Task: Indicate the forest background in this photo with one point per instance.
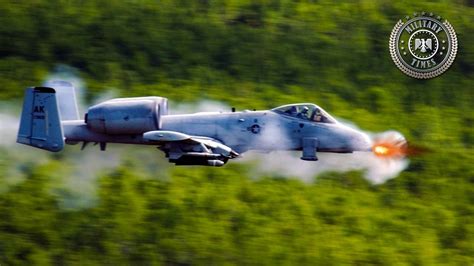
(134, 208)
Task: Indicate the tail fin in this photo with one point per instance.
(40, 124)
(66, 99)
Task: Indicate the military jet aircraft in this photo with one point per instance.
(50, 119)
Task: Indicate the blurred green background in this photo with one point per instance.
(248, 54)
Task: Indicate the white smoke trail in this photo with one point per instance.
(376, 170)
(69, 74)
(14, 157)
(85, 168)
(104, 96)
(8, 128)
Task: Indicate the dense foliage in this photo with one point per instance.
(250, 54)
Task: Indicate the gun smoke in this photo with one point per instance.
(285, 163)
(288, 163)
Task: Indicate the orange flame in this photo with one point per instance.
(390, 146)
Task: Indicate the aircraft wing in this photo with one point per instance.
(183, 149)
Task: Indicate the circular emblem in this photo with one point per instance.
(423, 47)
(255, 129)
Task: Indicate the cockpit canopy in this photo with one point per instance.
(305, 111)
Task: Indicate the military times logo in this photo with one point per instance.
(424, 46)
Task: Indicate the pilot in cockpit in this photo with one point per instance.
(292, 111)
(318, 116)
(304, 113)
(309, 112)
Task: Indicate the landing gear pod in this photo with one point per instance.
(310, 145)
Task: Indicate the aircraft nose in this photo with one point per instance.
(359, 141)
(362, 143)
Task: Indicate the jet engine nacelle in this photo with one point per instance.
(127, 115)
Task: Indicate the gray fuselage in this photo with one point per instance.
(242, 131)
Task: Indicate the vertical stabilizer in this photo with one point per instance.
(40, 124)
(66, 99)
